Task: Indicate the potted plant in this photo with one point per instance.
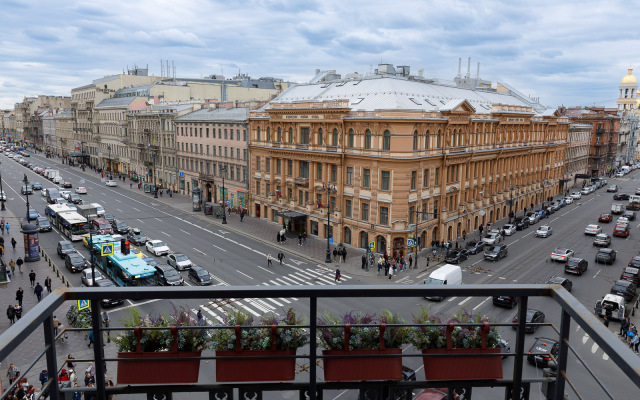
(457, 337)
(249, 351)
(158, 350)
(375, 344)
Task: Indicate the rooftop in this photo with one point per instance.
(237, 114)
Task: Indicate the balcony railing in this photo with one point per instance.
(622, 362)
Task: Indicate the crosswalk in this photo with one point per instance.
(215, 310)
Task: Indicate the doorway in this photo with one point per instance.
(398, 247)
(257, 210)
(381, 244)
(364, 240)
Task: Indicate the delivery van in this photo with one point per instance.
(448, 274)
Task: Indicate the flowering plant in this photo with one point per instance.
(361, 337)
(466, 337)
(257, 335)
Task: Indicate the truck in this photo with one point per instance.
(52, 174)
(88, 211)
(617, 208)
(615, 307)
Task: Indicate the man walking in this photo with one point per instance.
(56, 325)
(2, 223)
(32, 278)
(11, 315)
(624, 326)
(19, 295)
(105, 324)
(47, 284)
(13, 240)
(280, 257)
(338, 275)
(364, 261)
(12, 264)
(269, 260)
(335, 254)
(38, 291)
(410, 261)
(344, 255)
(20, 262)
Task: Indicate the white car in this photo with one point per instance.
(509, 229)
(43, 192)
(622, 221)
(81, 190)
(561, 254)
(111, 183)
(492, 238)
(88, 278)
(99, 208)
(65, 194)
(592, 230)
(568, 200)
(57, 180)
(157, 248)
(544, 231)
(179, 261)
(619, 174)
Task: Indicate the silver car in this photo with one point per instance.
(602, 239)
(179, 261)
(492, 238)
(544, 231)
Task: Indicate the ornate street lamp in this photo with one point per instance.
(331, 189)
(2, 191)
(223, 172)
(26, 192)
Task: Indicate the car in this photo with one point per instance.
(167, 276)
(136, 236)
(505, 301)
(549, 210)
(108, 284)
(509, 229)
(542, 214)
(559, 280)
(606, 256)
(602, 239)
(44, 192)
(475, 246)
(634, 206)
(43, 224)
(67, 185)
(32, 214)
(75, 262)
(57, 180)
(81, 190)
(630, 215)
(619, 174)
(544, 231)
(576, 265)
(200, 276)
(101, 225)
(455, 256)
(99, 209)
(64, 194)
(89, 278)
(585, 190)
(533, 217)
(179, 261)
(26, 190)
(74, 198)
(521, 223)
(157, 247)
(621, 231)
(568, 200)
(561, 254)
(576, 195)
(36, 186)
(120, 227)
(492, 238)
(111, 183)
(605, 217)
(109, 217)
(533, 317)
(495, 253)
(562, 202)
(637, 191)
(626, 289)
(621, 196)
(622, 221)
(612, 188)
(543, 351)
(592, 229)
(555, 206)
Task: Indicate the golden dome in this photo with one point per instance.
(629, 78)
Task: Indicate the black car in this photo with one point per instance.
(606, 256)
(475, 246)
(521, 223)
(75, 262)
(120, 227)
(630, 215)
(43, 224)
(548, 348)
(167, 276)
(533, 317)
(576, 265)
(136, 236)
(456, 256)
(199, 275)
(74, 198)
(109, 217)
(505, 301)
(67, 185)
(621, 196)
(495, 253)
(36, 186)
(635, 206)
(109, 284)
(65, 247)
(625, 288)
(564, 282)
(26, 190)
(631, 274)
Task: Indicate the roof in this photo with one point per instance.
(237, 114)
(116, 102)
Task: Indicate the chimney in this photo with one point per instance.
(468, 67)
(478, 72)
(459, 66)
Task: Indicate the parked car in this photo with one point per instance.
(602, 239)
(604, 218)
(455, 256)
(475, 246)
(89, 278)
(179, 261)
(606, 256)
(75, 262)
(561, 254)
(542, 214)
(200, 276)
(568, 200)
(621, 196)
(585, 190)
(495, 253)
(136, 236)
(157, 248)
(533, 317)
(509, 229)
(626, 289)
(592, 230)
(111, 183)
(559, 280)
(533, 217)
(621, 230)
(576, 265)
(544, 231)
(542, 352)
(492, 238)
(505, 301)
(167, 276)
(43, 224)
(576, 195)
(521, 223)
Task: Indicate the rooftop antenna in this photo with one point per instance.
(161, 68)
(459, 66)
(468, 67)
(478, 73)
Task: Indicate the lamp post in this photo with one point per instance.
(415, 239)
(1, 191)
(223, 172)
(510, 203)
(155, 188)
(93, 264)
(109, 159)
(26, 192)
(331, 189)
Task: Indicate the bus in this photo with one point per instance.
(52, 210)
(72, 225)
(124, 270)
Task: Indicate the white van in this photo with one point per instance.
(625, 169)
(448, 274)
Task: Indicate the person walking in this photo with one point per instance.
(200, 317)
(38, 291)
(280, 257)
(19, 295)
(13, 241)
(7, 227)
(20, 262)
(269, 260)
(17, 310)
(410, 261)
(11, 315)
(2, 224)
(379, 266)
(464, 234)
(56, 325)
(241, 215)
(338, 275)
(12, 264)
(635, 342)
(364, 262)
(12, 372)
(624, 327)
(90, 337)
(32, 278)
(304, 239)
(47, 284)
(105, 324)
(344, 255)
(335, 254)
(2, 228)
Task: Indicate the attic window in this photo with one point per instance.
(341, 84)
(428, 101)
(325, 86)
(415, 101)
(443, 102)
(356, 82)
(358, 100)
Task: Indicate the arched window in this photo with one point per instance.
(367, 139)
(427, 137)
(415, 140)
(347, 236)
(320, 138)
(279, 134)
(258, 134)
(268, 134)
(386, 141)
(290, 135)
(334, 139)
(351, 138)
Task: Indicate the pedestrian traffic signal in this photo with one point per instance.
(125, 246)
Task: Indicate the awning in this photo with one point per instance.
(292, 214)
(78, 154)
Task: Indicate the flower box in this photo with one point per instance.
(470, 367)
(152, 370)
(353, 368)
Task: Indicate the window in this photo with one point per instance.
(238, 138)
(268, 134)
(332, 202)
(426, 140)
(438, 139)
(304, 135)
(425, 178)
(386, 141)
(412, 213)
(303, 167)
(384, 215)
(244, 154)
(436, 179)
(413, 179)
(278, 166)
(319, 171)
(258, 188)
(367, 139)
(268, 164)
(225, 133)
(279, 134)
(289, 167)
(300, 197)
(268, 188)
(347, 208)
(334, 173)
(349, 175)
(415, 140)
(226, 152)
(384, 184)
(258, 163)
(290, 135)
(220, 151)
(365, 212)
(200, 132)
(289, 193)
(201, 152)
(191, 147)
(435, 209)
(238, 154)
(334, 138)
(351, 138)
(244, 135)
(366, 178)
(190, 131)
(207, 149)
(320, 138)
(207, 132)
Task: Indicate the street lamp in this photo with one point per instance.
(155, 187)
(223, 172)
(331, 189)
(1, 191)
(109, 159)
(415, 239)
(26, 192)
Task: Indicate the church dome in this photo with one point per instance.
(629, 78)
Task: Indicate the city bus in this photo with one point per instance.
(52, 210)
(72, 225)
(124, 270)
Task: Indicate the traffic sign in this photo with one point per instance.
(372, 245)
(83, 304)
(410, 242)
(106, 249)
(181, 173)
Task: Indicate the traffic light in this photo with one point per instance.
(125, 246)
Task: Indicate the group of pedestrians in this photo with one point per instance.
(629, 333)
(340, 254)
(23, 389)
(392, 265)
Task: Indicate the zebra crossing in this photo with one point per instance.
(215, 311)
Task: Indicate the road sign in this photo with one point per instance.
(83, 304)
(330, 240)
(181, 173)
(372, 245)
(106, 249)
(410, 242)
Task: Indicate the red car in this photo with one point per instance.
(604, 218)
(621, 231)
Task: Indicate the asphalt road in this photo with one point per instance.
(235, 259)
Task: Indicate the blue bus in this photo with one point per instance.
(124, 270)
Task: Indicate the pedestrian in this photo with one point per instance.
(464, 235)
(200, 317)
(32, 278)
(379, 265)
(17, 310)
(12, 372)
(410, 261)
(403, 264)
(12, 264)
(47, 284)
(76, 395)
(386, 268)
(20, 262)
(38, 291)
(480, 229)
(241, 215)
(427, 262)
(364, 261)
(395, 268)
(390, 273)
(11, 315)
(344, 255)
(56, 325)
(335, 254)
(2, 223)
(280, 257)
(269, 260)
(300, 239)
(13, 240)
(229, 211)
(338, 275)
(339, 255)
(89, 379)
(635, 342)
(7, 227)
(130, 185)
(278, 237)
(19, 295)
(44, 377)
(160, 192)
(624, 327)
(90, 337)
(2, 228)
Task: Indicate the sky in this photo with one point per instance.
(571, 53)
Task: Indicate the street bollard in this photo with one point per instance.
(49, 262)
(68, 284)
(45, 256)
(58, 274)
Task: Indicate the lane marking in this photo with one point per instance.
(500, 277)
(597, 273)
(594, 348)
(481, 303)
(132, 305)
(464, 301)
(135, 209)
(264, 269)
(119, 210)
(157, 219)
(139, 220)
(199, 251)
(219, 248)
(185, 231)
(165, 233)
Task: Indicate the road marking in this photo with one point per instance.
(224, 232)
(264, 269)
(423, 274)
(452, 299)
(132, 305)
(594, 347)
(605, 356)
(500, 277)
(554, 219)
(481, 303)
(597, 273)
(464, 301)
(157, 219)
(135, 209)
(219, 248)
(199, 251)
(585, 338)
(242, 273)
(297, 262)
(119, 201)
(119, 210)
(514, 241)
(185, 231)
(165, 233)
(139, 220)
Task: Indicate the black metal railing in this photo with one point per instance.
(572, 311)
